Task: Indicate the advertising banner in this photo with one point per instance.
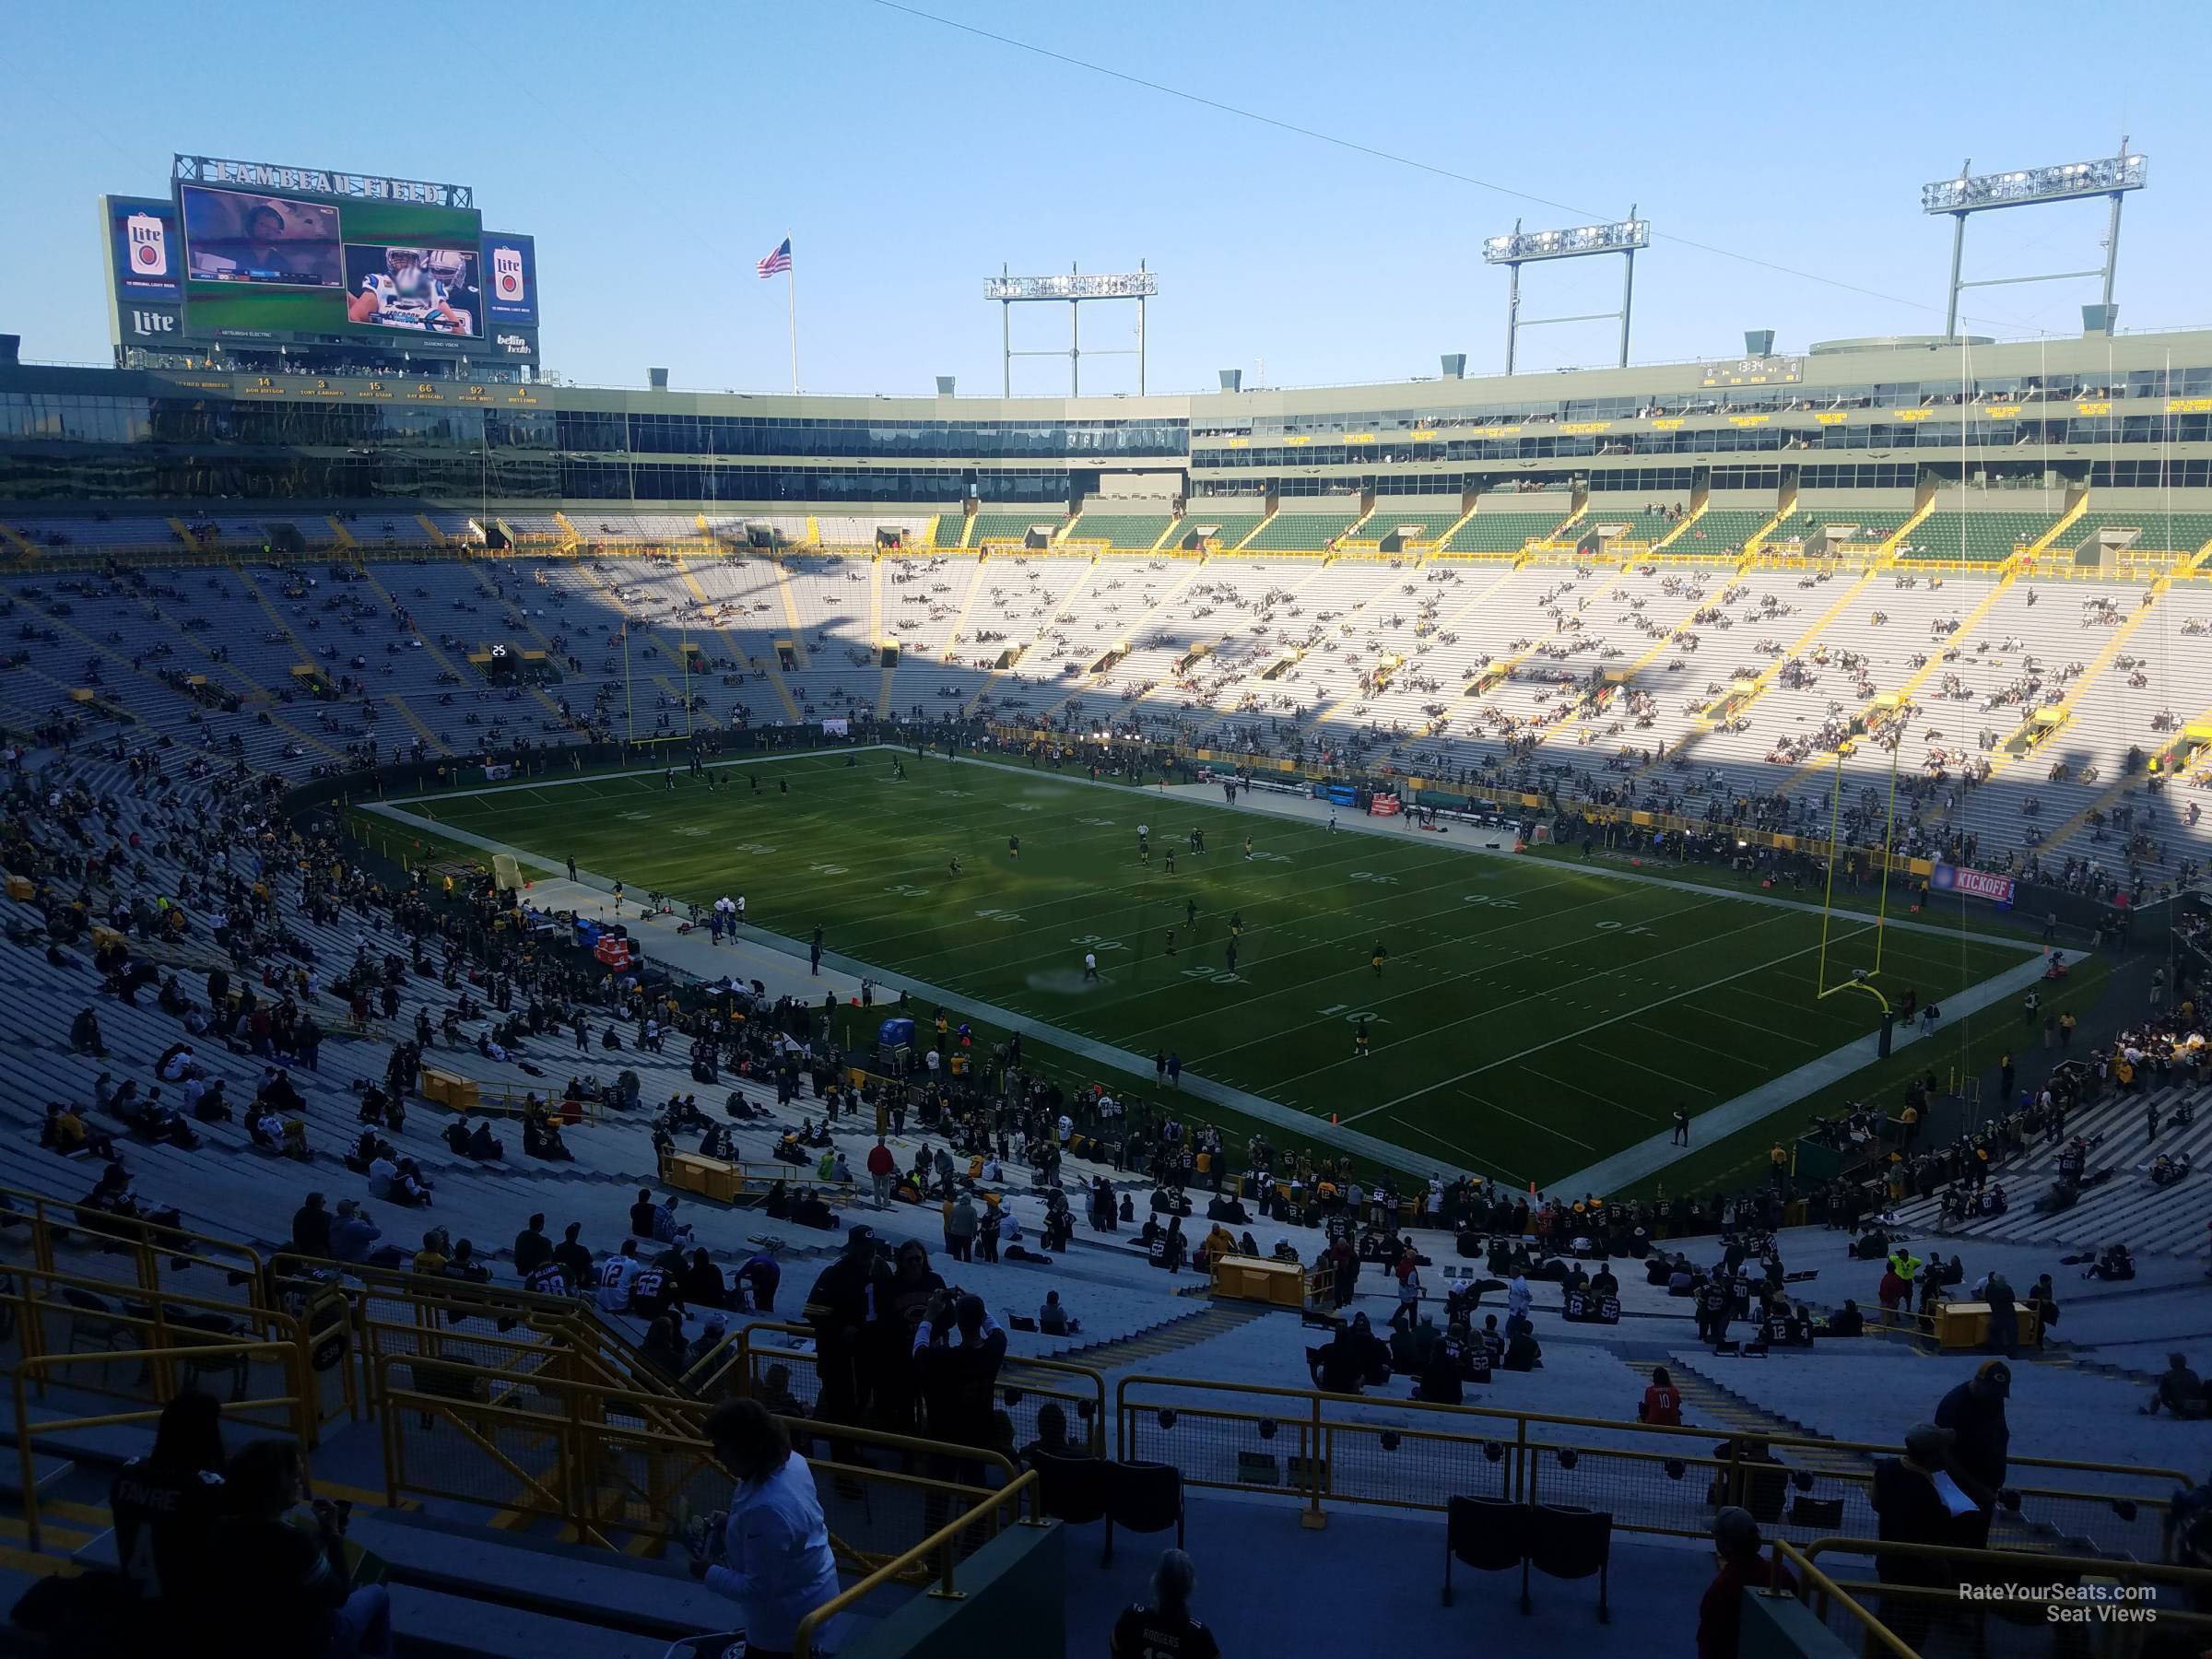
(1974, 884)
(511, 283)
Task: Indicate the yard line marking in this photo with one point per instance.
(1654, 1071)
(1606, 1101)
(1505, 1169)
(1509, 1111)
(1693, 1042)
(1601, 1024)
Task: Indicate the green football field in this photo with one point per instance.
(1531, 1016)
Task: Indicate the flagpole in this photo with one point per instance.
(791, 299)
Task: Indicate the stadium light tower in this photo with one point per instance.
(1972, 193)
(1623, 237)
(1075, 288)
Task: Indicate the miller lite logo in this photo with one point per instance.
(148, 240)
(507, 275)
(152, 322)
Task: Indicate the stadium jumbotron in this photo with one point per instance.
(1393, 960)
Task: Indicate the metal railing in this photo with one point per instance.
(170, 1368)
(1323, 1449)
(612, 1464)
(943, 1543)
(2084, 1600)
(740, 1364)
(153, 1250)
(44, 1314)
(1833, 1603)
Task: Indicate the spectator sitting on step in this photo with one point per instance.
(775, 1392)
(286, 1588)
(352, 1233)
(264, 1128)
(703, 1344)
(65, 1131)
(165, 1505)
(541, 1138)
(666, 1230)
(662, 1346)
(1522, 1352)
(573, 1257)
(2181, 1391)
(112, 1209)
(1052, 1437)
(205, 1099)
(1662, 1401)
(277, 1093)
(484, 1145)
(84, 1034)
(1052, 1318)
(151, 1120)
(397, 1180)
(1352, 1359)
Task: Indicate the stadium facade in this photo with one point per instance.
(1887, 417)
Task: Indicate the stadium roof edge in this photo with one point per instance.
(1905, 358)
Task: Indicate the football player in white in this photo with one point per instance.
(405, 295)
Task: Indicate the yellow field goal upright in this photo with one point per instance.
(1857, 979)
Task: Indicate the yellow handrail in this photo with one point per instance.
(284, 1354)
(579, 1407)
(811, 1626)
(1519, 1454)
(740, 1349)
(149, 1250)
(1809, 1576)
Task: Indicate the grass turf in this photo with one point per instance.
(1529, 1017)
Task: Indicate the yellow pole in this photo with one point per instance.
(1881, 909)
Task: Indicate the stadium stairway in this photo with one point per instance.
(1709, 1403)
(1149, 1342)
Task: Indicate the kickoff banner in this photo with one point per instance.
(1974, 884)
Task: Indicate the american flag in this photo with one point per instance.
(779, 261)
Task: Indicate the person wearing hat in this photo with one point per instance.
(709, 1336)
(1735, 1548)
(851, 1294)
(1974, 1413)
(1912, 1509)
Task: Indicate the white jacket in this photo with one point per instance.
(776, 1562)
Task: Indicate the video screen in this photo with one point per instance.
(420, 290)
(234, 236)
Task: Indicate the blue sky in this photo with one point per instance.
(656, 153)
